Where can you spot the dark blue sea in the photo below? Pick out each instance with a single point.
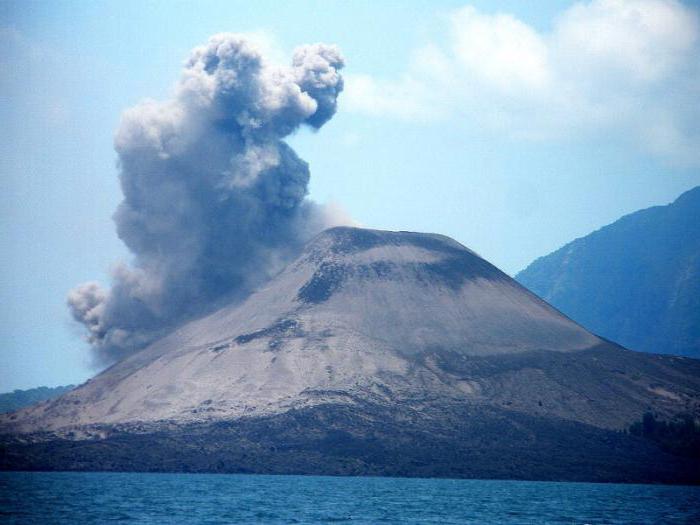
(219, 498)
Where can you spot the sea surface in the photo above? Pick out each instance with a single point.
(77, 498)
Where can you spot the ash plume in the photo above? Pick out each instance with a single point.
(214, 199)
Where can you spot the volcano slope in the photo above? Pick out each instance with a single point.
(373, 353)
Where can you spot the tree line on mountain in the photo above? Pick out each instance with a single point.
(680, 436)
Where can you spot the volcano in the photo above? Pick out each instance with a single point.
(374, 352)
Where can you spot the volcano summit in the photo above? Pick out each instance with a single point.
(373, 352)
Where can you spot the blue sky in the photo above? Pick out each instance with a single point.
(493, 122)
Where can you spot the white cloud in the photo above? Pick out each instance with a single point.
(645, 40)
(499, 51)
(630, 67)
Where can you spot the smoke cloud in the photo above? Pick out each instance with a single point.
(214, 199)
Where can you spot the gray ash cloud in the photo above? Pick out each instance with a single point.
(214, 199)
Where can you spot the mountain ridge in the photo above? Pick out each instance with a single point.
(636, 281)
(19, 398)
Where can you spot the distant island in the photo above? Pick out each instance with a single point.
(11, 401)
(635, 281)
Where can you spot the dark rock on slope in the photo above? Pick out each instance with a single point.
(368, 439)
(636, 281)
(384, 353)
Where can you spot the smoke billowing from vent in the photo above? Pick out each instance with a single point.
(214, 199)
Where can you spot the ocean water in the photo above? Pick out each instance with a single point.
(77, 498)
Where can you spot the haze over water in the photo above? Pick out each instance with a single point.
(216, 499)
